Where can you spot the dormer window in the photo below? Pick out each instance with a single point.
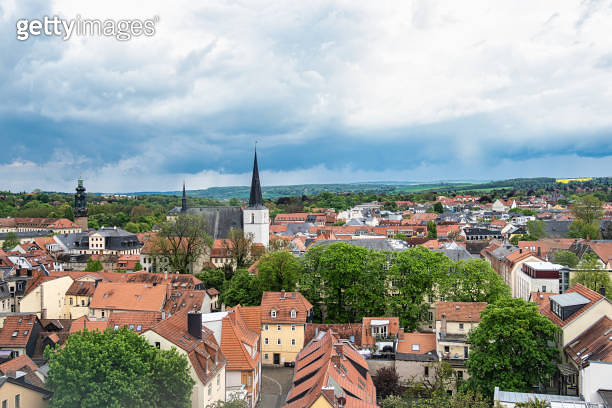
(293, 314)
(273, 314)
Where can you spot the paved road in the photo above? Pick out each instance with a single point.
(275, 386)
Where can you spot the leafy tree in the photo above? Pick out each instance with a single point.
(473, 281)
(137, 267)
(591, 274)
(589, 209)
(393, 401)
(233, 403)
(278, 271)
(68, 213)
(132, 227)
(387, 382)
(566, 258)
(400, 236)
(243, 288)
(93, 266)
(11, 241)
(536, 229)
(441, 377)
(511, 348)
(183, 241)
(413, 274)
(431, 230)
(116, 368)
(437, 207)
(241, 248)
(212, 278)
(581, 229)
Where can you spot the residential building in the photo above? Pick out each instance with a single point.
(454, 321)
(104, 241)
(238, 331)
(414, 356)
(185, 332)
(591, 356)
(541, 277)
(130, 297)
(380, 333)
(283, 318)
(509, 399)
(330, 373)
(78, 297)
(18, 334)
(44, 296)
(17, 391)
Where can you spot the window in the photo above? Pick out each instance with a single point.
(157, 344)
(82, 302)
(266, 341)
(431, 316)
(116, 327)
(278, 327)
(249, 380)
(5, 404)
(293, 314)
(293, 327)
(460, 375)
(265, 327)
(139, 327)
(273, 314)
(460, 326)
(416, 347)
(544, 288)
(218, 379)
(18, 401)
(209, 390)
(70, 298)
(131, 327)
(293, 342)
(103, 313)
(426, 372)
(278, 341)
(25, 332)
(265, 356)
(447, 349)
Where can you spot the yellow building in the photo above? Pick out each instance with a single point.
(283, 320)
(78, 297)
(18, 393)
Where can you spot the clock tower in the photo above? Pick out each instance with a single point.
(80, 206)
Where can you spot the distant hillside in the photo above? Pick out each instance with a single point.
(274, 192)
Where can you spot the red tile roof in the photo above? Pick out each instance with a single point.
(132, 296)
(137, 321)
(17, 329)
(366, 329)
(81, 288)
(283, 303)
(235, 333)
(544, 304)
(83, 323)
(460, 311)
(17, 364)
(594, 344)
(426, 343)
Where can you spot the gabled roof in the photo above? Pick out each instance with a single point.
(543, 300)
(17, 364)
(327, 367)
(284, 303)
(416, 343)
(17, 330)
(81, 288)
(235, 334)
(460, 311)
(83, 323)
(137, 321)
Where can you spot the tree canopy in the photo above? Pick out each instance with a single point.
(566, 258)
(182, 241)
(512, 348)
(591, 274)
(11, 241)
(116, 368)
(278, 271)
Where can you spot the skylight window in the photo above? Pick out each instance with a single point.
(15, 333)
(416, 347)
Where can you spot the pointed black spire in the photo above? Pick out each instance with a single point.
(255, 200)
(184, 200)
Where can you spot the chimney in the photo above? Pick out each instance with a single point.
(443, 325)
(282, 294)
(539, 251)
(602, 291)
(194, 324)
(520, 250)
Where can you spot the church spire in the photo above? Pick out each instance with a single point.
(255, 200)
(184, 200)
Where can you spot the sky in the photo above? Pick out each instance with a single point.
(332, 91)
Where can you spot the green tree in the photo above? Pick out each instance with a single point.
(11, 241)
(278, 271)
(387, 382)
(93, 266)
(512, 347)
(473, 281)
(566, 258)
(533, 403)
(233, 403)
(437, 207)
(137, 267)
(243, 288)
(116, 368)
(132, 227)
(536, 229)
(183, 241)
(580, 229)
(69, 213)
(393, 401)
(413, 274)
(591, 274)
(212, 278)
(432, 230)
(588, 211)
(400, 236)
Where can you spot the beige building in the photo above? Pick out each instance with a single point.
(454, 321)
(283, 319)
(45, 296)
(17, 392)
(185, 333)
(78, 297)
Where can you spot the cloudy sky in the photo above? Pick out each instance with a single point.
(340, 91)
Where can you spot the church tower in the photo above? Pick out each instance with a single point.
(80, 206)
(256, 217)
(184, 200)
